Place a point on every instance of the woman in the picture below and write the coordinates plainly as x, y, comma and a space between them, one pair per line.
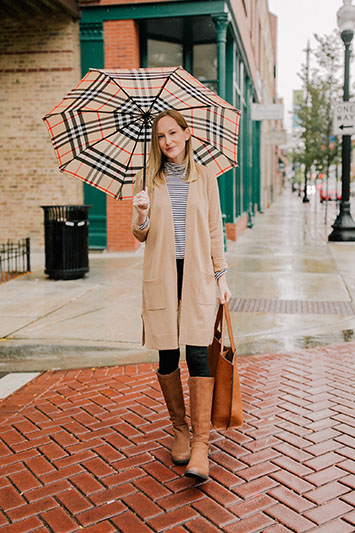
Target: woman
179, 218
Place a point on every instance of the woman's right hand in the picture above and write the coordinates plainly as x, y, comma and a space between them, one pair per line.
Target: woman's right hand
141, 204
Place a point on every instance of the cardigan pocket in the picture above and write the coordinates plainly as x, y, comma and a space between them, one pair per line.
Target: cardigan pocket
207, 289
153, 293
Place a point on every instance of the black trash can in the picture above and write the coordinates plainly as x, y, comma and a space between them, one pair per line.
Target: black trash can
66, 236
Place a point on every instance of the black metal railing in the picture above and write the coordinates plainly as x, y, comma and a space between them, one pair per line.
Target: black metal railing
14, 259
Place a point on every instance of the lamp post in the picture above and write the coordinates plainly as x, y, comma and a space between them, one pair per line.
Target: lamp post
305, 192
344, 225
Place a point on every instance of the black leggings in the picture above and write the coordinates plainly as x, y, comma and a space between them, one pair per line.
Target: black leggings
196, 356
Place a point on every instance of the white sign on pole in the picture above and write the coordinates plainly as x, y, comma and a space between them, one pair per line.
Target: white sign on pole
276, 137
267, 111
344, 118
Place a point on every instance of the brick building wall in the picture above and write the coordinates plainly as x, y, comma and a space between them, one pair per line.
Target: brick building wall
39, 64
121, 51
235, 229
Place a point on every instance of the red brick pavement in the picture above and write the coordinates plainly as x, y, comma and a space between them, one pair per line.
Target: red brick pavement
88, 450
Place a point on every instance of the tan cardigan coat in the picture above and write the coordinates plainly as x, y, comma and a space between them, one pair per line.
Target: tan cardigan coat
164, 325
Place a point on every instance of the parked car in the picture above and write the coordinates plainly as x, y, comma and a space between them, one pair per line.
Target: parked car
330, 195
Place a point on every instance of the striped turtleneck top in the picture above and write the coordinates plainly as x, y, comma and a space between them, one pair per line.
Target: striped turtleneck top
178, 191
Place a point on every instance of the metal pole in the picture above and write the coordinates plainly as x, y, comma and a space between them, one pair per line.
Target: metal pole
305, 193
28, 255
346, 148
145, 152
344, 225
337, 169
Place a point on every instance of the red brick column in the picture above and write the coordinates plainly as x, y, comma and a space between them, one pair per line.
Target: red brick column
121, 51
234, 230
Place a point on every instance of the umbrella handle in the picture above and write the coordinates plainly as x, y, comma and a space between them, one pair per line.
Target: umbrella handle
145, 153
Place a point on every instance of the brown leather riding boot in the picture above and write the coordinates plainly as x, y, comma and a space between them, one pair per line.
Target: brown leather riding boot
201, 393
172, 390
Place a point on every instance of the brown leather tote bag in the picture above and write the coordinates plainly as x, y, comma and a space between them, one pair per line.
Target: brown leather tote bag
227, 401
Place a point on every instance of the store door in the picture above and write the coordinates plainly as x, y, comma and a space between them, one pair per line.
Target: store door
97, 216
92, 56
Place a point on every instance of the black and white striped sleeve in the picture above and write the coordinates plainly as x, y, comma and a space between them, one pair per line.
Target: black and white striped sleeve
220, 273
145, 224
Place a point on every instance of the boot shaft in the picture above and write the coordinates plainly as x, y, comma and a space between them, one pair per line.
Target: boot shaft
171, 387
201, 395
172, 390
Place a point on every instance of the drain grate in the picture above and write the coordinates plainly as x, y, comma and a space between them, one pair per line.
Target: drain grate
244, 305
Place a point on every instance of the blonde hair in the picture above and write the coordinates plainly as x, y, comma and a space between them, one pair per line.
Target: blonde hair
155, 165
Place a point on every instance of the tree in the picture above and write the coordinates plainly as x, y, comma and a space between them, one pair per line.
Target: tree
322, 87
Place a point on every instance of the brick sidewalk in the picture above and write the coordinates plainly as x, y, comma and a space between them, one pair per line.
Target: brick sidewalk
87, 450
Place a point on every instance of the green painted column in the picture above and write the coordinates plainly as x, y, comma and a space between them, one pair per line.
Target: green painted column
250, 156
229, 177
92, 46
93, 56
246, 147
239, 170
222, 22
251, 153
256, 164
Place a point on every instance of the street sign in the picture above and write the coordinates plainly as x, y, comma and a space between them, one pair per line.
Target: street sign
344, 118
267, 111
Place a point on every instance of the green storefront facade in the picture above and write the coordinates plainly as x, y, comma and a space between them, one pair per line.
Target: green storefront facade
203, 37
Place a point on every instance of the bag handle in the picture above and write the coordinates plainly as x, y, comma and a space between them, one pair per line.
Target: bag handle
226, 316
218, 317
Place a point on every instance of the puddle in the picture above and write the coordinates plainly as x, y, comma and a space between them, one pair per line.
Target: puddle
290, 344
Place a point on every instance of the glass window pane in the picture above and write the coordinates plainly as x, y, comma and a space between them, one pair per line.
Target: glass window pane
164, 54
213, 85
241, 81
205, 61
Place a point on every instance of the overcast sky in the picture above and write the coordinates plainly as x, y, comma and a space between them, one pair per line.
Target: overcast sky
298, 21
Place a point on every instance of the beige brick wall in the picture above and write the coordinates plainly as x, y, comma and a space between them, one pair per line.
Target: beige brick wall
39, 64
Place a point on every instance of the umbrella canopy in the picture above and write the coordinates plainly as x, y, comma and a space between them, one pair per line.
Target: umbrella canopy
101, 130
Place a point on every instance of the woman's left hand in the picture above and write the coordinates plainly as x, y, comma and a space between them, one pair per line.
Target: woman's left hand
224, 292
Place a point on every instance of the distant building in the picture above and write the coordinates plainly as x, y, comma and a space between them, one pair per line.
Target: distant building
45, 51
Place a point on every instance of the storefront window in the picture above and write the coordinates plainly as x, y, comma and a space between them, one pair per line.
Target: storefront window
164, 54
205, 64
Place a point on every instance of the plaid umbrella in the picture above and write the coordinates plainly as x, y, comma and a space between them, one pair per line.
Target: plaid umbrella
100, 131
